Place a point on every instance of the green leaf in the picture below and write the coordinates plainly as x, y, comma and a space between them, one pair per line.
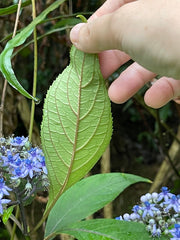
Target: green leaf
60, 26
7, 213
83, 19
5, 56
66, 22
86, 197
77, 122
106, 229
13, 8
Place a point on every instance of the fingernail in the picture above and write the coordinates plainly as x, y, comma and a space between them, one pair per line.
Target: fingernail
74, 34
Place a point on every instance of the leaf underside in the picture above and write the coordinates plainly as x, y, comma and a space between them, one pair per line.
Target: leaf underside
77, 123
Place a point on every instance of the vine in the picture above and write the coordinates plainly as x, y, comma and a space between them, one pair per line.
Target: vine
35, 72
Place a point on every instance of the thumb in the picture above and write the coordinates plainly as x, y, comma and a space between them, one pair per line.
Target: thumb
102, 33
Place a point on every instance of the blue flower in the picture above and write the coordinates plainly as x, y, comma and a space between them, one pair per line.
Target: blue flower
18, 173
2, 140
148, 209
136, 209
2, 202
18, 162
36, 155
165, 194
19, 141
134, 216
175, 232
9, 159
3, 188
43, 165
156, 232
173, 202
30, 168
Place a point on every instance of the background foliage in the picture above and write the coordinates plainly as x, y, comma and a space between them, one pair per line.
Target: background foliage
145, 141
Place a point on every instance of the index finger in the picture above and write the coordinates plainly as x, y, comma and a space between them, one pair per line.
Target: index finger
108, 7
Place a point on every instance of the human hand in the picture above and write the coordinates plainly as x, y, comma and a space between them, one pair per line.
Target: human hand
144, 30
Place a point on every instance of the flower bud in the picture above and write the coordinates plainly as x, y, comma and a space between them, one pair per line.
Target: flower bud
28, 187
151, 221
126, 217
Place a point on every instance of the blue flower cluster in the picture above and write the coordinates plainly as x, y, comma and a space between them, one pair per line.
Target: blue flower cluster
20, 163
4, 190
159, 212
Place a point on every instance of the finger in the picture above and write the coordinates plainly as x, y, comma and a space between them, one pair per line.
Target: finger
129, 82
103, 33
162, 91
108, 7
111, 60
177, 100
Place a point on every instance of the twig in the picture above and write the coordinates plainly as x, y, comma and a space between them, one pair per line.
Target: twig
70, 7
17, 18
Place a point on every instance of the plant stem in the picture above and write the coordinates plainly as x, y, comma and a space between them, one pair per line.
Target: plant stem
5, 81
35, 73
52, 235
21, 211
70, 7
14, 225
2, 107
27, 238
17, 18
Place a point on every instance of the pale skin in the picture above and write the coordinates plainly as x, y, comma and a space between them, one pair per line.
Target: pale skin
148, 31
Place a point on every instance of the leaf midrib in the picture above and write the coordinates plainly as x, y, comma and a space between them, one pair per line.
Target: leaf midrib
91, 232
77, 120
76, 135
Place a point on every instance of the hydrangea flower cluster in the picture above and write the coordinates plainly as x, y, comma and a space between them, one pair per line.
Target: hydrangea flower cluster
21, 167
159, 212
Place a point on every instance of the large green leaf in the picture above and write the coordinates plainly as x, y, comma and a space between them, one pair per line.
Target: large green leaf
77, 123
5, 56
86, 197
107, 229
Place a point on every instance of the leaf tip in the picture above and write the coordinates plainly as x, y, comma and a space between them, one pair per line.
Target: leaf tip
83, 19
